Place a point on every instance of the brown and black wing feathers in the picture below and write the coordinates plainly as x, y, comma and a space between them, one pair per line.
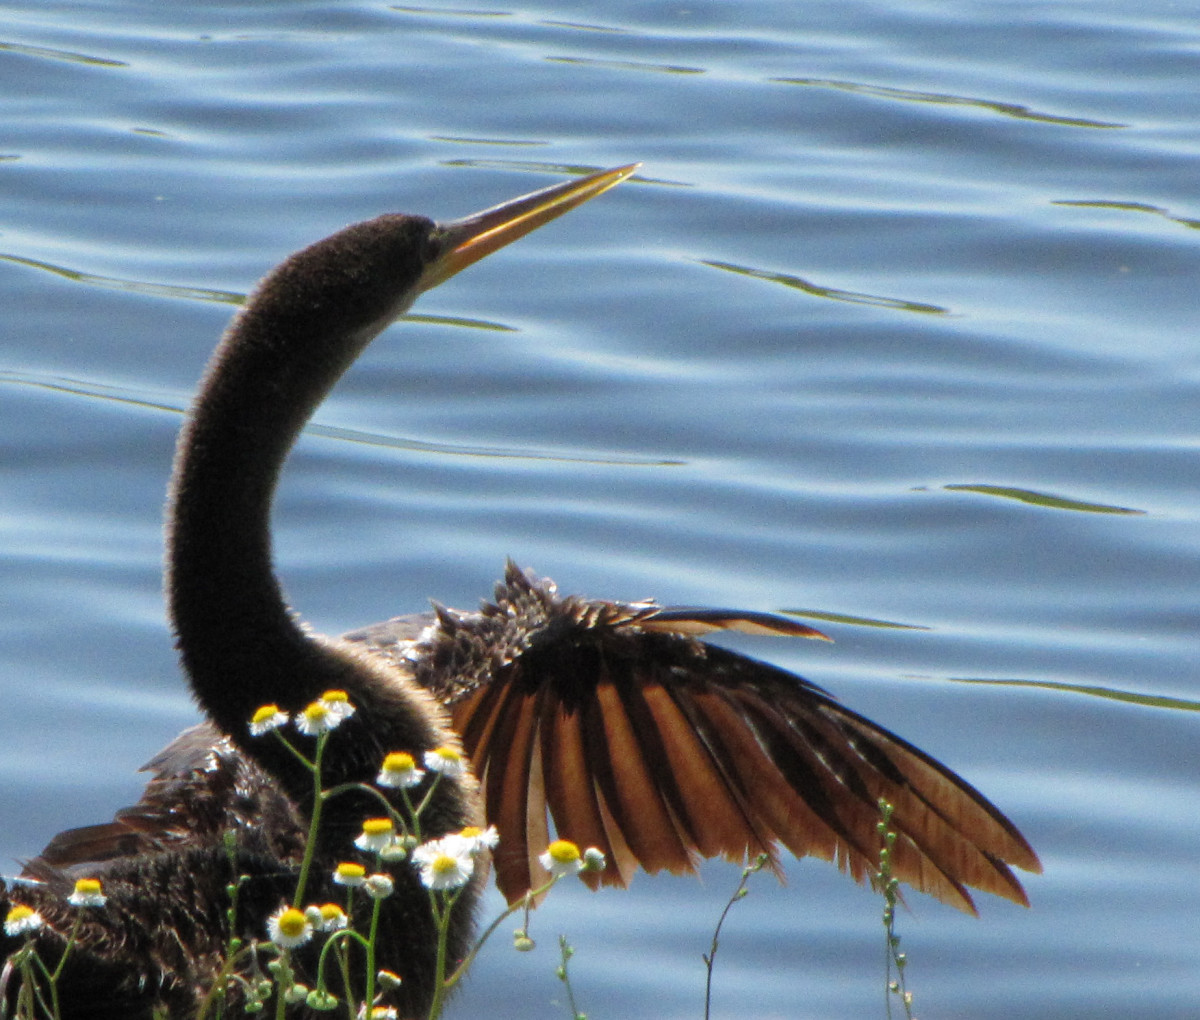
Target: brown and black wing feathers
660, 749
200, 788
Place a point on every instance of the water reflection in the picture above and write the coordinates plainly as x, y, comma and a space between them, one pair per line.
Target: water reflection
945, 99
831, 293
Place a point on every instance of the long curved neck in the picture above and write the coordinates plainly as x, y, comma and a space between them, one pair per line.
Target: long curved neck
240, 643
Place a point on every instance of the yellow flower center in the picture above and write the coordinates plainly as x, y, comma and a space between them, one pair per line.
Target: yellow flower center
88, 887
292, 922
399, 761
332, 696
471, 832
19, 913
378, 826
563, 851
265, 713
316, 712
348, 870
445, 864
331, 912
448, 754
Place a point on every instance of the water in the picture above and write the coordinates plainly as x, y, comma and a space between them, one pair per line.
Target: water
897, 324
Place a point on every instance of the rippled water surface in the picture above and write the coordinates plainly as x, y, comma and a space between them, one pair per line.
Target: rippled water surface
897, 324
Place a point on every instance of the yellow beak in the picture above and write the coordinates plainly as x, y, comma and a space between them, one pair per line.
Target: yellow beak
471, 238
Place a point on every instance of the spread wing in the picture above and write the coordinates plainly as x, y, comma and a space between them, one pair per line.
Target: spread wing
659, 749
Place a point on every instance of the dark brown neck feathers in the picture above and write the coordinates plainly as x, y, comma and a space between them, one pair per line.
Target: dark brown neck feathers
303, 326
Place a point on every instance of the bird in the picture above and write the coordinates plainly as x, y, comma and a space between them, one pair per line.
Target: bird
617, 725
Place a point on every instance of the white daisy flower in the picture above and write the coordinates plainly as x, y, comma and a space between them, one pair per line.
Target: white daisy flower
445, 863
88, 893
22, 920
316, 719
562, 858
339, 705
267, 718
477, 840
289, 927
326, 917
349, 874
447, 761
399, 771
377, 834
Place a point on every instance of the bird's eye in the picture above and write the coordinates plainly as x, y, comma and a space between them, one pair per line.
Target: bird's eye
431, 248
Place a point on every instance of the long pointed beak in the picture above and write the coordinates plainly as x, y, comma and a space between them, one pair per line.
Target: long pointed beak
471, 238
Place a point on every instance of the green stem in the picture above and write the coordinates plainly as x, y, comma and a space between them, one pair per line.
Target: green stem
55, 1006
62, 960
310, 845
372, 938
739, 893
521, 904
295, 751
567, 952
343, 956
218, 988
416, 811
25, 996
280, 1005
441, 918
49, 1008
336, 944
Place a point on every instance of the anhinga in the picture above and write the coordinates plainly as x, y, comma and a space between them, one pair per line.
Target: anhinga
638, 737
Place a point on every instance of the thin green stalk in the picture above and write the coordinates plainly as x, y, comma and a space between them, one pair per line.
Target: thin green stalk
739, 893
49, 1008
219, 987
372, 939
336, 944
441, 917
25, 994
523, 904
567, 952
889, 886
343, 958
314, 823
55, 1007
416, 811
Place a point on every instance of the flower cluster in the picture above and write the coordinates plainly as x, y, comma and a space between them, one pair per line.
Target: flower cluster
444, 865
24, 920
328, 712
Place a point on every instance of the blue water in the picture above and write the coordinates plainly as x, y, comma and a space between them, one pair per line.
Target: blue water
898, 323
